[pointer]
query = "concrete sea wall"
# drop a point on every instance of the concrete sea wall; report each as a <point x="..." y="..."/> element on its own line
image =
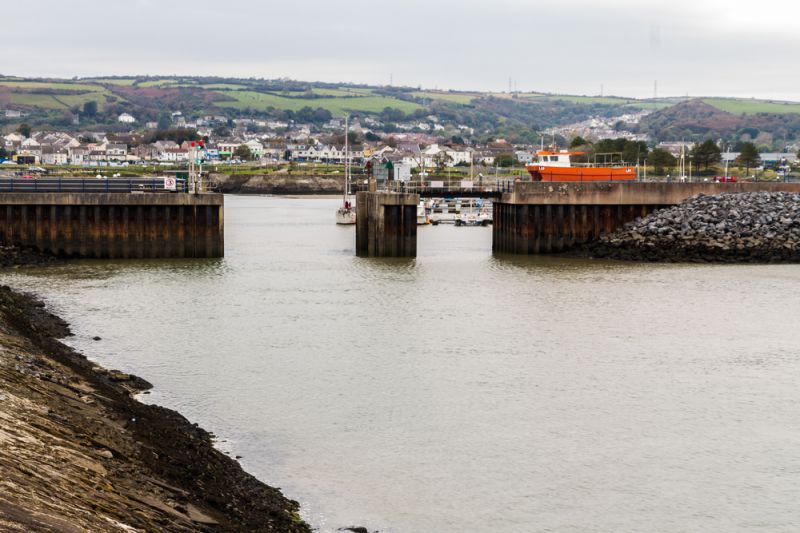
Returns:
<point x="546" y="217"/>
<point x="115" y="225"/>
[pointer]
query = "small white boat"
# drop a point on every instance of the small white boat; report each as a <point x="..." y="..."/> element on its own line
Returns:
<point x="422" y="215"/>
<point x="346" y="214"/>
<point x="472" y="216"/>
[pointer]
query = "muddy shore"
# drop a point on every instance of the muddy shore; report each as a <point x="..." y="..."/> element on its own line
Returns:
<point x="79" y="453"/>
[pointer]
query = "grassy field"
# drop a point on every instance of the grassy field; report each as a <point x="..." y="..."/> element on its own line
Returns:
<point x="517" y="95"/>
<point x="338" y="92"/>
<point x="592" y="99"/>
<point x="72" y="100"/>
<point x="337" y="106"/>
<point x="157" y="83"/>
<point x="57" y="101"/>
<point x="738" y="106"/>
<point x="222" y="86"/>
<point x="49" y="85"/>
<point x="456" y="98"/>
<point x="123" y="82"/>
<point x="44" y="101"/>
<point x="575" y="99"/>
<point x="655" y="106"/>
<point x="360" y="90"/>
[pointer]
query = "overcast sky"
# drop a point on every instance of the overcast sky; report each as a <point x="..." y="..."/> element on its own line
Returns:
<point x="695" y="47"/>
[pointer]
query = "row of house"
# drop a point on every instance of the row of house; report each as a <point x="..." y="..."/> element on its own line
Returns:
<point x="59" y="148"/>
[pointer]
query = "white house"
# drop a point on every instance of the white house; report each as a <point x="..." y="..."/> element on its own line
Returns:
<point x="52" y="155"/>
<point x="116" y="152"/>
<point x="524" y="156"/>
<point x="78" y="155"/>
<point x="435" y="155"/>
<point x="256" y="148"/>
<point x="457" y="156"/>
<point x="126" y="118"/>
<point x="174" y="155"/>
<point x="227" y="148"/>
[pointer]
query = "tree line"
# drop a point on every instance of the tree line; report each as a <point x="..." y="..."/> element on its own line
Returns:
<point x="703" y="156"/>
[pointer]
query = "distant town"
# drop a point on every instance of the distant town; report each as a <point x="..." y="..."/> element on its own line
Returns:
<point x="417" y="147"/>
<point x="150" y="123"/>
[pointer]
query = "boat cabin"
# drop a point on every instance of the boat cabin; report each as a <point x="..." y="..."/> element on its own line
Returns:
<point x="555" y="159"/>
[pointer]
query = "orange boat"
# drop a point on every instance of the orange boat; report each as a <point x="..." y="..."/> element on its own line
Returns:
<point x="557" y="166"/>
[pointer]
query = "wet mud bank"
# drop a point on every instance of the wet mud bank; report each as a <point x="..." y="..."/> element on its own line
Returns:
<point x="79" y="453"/>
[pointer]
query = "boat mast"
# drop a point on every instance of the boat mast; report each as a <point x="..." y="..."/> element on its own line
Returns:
<point x="346" y="158"/>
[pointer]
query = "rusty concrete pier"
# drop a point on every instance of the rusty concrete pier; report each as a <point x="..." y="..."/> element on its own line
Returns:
<point x="386" y="224"/>
<point x="115" y="225"/>
<point x="546" y="217"/>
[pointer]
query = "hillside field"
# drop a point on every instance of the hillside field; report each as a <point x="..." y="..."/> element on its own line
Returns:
<point x="336" y="105"/>
<point x="738" y="106"/>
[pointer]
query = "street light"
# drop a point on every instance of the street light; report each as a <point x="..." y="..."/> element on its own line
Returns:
<point x="726" y="163"/>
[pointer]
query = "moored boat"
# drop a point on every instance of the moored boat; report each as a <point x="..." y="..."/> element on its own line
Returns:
<point x="346" y="214"/>
<point x="558" y="166"/>
<point x="422" y="214"/>
<point x="475" y="215"/>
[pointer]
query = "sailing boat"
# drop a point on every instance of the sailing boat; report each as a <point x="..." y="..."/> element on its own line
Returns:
<point x="346" y="214"/>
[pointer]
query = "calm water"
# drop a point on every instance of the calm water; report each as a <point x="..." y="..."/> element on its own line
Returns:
<point x="461" y="391"/>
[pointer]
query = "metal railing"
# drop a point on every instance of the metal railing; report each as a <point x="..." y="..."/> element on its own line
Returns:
<point x="493" y="187"/>
<point x="81" y="185"/>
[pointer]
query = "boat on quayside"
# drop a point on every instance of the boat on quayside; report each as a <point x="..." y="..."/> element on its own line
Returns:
<point x="558" y="166"/>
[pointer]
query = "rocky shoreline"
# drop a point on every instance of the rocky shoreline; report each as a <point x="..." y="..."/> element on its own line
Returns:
<point x="79" y="453"/>
<point x="276" y="183"/>
<point x="17" y="256"/>
<point x="762" y="227"/>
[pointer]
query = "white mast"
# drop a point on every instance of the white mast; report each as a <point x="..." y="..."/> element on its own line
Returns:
<point x="346" y="157"/>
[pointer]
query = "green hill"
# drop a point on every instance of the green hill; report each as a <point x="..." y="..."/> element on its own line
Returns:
<point x="518" y="117"/>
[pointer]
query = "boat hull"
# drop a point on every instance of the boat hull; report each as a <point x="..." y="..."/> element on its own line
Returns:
<point x="345" y="217"/>
<point x="545" y="173"/>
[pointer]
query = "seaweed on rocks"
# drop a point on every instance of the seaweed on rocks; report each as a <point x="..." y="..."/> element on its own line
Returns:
<point x="14" y="256"/>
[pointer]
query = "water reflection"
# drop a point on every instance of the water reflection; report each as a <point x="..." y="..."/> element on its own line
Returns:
<point x="100" y="269"/>
<point x="386" y="268"/>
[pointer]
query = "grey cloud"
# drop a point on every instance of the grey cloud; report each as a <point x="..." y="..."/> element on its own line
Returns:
<point x="570" y="47"/>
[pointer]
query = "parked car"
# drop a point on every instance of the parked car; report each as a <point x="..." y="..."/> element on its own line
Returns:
<point x="724" y="179"/>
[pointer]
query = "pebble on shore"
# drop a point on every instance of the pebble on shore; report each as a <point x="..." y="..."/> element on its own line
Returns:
<point x="760" y="227"/>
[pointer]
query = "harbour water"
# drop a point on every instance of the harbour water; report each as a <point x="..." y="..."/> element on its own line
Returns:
<point x="461" y="391"/>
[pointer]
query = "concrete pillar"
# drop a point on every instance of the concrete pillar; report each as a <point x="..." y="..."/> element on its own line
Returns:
<point x="386" y="224"/>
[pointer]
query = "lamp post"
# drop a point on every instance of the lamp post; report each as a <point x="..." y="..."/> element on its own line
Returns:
<point x="726" y="163"/>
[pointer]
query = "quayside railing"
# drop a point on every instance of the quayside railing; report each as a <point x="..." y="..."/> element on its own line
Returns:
<point x="92" y="185"/>
<point x="434" y="188"/>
